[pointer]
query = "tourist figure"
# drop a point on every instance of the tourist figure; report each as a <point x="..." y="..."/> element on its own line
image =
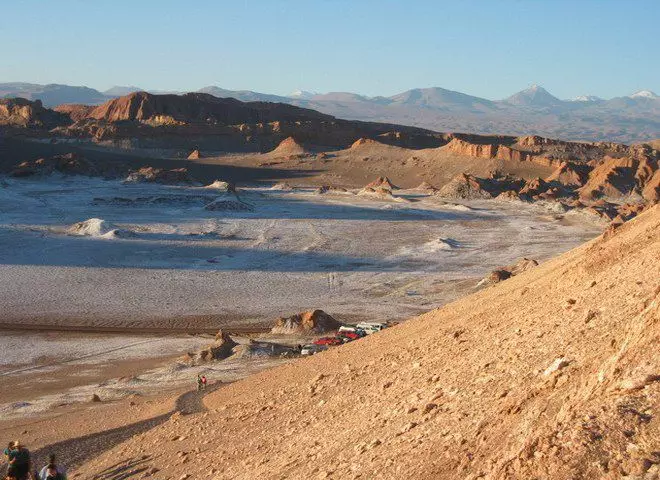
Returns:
<point x="10" y="453"/>
<point x="199" y="382"/>
<point x="18" y="458"/>
<point x="52" y="471"/>
<point x="204" y="382"/>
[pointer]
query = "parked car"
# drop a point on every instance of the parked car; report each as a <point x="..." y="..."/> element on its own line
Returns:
<point x="312" y="349"/>
<point x="328" y="341"/>
<point x="348" y="336"/>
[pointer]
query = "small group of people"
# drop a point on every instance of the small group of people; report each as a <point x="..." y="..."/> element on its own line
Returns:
<point x="201" y="382"/>
<point x="19" y="465"/>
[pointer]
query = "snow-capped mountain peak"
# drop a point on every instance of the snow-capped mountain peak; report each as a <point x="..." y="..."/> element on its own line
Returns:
<point x="645" y="94"/>
<point x="587" y="98"/>
<point x="302" y="94"/>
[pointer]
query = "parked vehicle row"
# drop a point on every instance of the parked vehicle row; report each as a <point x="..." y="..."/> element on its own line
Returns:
<point x="345" y="334"/>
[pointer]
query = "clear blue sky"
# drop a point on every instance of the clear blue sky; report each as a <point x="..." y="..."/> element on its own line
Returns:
<point x="487" y="48"/>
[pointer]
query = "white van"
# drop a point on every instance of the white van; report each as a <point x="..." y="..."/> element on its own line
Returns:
<point x="371" y="327"/>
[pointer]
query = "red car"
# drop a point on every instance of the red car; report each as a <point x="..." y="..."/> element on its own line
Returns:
<point x="348" y="336"/>
<point x="328" y="341"/>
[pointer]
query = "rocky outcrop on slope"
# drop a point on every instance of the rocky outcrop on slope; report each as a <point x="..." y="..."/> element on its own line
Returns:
<point x="544" y="151"/>
<point x="569" y="174"/>
<point x="311" y="321"/>
<point x="220" y="349"/>
<point x="509" y="271"/>
<point x="19" y="112"/>
<point x="619" y="177"/>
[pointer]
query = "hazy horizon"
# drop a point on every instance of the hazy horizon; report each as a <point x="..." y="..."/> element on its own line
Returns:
<point x="292" y="91"/>
<point x="485" y="49"/>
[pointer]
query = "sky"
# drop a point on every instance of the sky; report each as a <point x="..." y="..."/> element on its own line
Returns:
<point x="487" y="48"/>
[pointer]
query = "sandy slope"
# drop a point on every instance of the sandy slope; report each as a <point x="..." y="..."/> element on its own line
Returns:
<point x="461" y="392"/>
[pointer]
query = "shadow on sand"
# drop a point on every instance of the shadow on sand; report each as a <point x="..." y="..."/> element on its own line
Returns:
<point x="74" y="452"/>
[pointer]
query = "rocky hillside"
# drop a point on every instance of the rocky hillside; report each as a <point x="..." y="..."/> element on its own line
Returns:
<point x="553" y="373"/>
<point x="22" y="113"/>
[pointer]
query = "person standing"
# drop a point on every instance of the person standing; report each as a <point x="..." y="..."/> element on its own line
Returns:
<point x="18" y="458"/>
<point x="52" y="471"/>
<point x="10" y="453"/>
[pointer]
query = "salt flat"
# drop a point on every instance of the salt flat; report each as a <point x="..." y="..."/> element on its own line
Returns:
<point x="174" y="263"/>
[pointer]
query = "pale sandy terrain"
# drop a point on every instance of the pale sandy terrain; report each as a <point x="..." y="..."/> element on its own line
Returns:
<point x="551" y="374"/>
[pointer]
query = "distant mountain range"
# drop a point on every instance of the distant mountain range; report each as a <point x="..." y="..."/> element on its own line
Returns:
<point x="534" y="110"/>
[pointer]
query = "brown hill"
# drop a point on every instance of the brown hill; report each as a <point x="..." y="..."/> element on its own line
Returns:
<point x="197" y="108"/>
<point x="289" y="146"/>
<point x="553" y="373"/>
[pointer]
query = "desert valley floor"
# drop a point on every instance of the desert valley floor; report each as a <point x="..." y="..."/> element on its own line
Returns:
<point x="152" y="257"/>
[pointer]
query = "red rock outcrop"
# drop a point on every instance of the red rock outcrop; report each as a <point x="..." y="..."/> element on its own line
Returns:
<point x="497" y="151"/>
<point x="19" y="112"/>
<point x="194" y="155"/>
<point x="611" y="177"/>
